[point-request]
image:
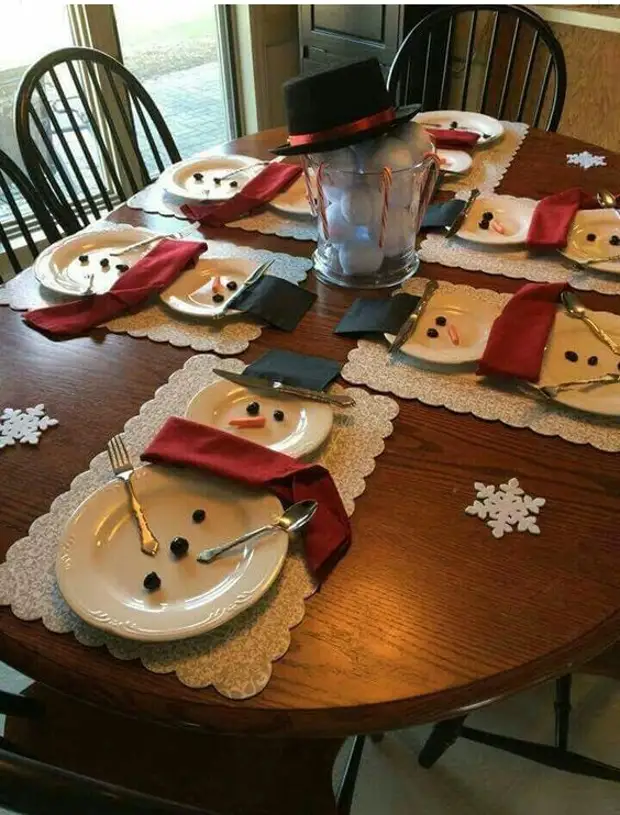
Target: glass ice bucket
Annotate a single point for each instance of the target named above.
(368, 221)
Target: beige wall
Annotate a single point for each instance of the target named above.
(590, 37)
(267, 54)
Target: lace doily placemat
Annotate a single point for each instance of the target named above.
(156, 201)
(160, 324)
(490, 163)
(237, 657)
(461, 391)
(514, 262)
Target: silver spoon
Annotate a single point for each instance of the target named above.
(295, 517)
(575, 309)
(606, 199)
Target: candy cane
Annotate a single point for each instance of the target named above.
(386, 178)
(321, 198)
(309, 195)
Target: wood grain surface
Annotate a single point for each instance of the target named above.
(427, 615)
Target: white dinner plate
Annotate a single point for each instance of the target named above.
(572, 335)
(293, 200)
(192, 293)
(471, 318)
(514, 215)
(454, 161)
(306, 424)
(59, 269)
(489, 129)
(100, 567)
(179, 179)
(603, 223)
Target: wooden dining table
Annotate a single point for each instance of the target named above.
(425, 618)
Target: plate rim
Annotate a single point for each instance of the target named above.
(166, 178)
(602, 266)
(318, 405)
(486, 117)
(446, 363)
(176, 634)
(39, 263)
(231, 313)
(500, 240)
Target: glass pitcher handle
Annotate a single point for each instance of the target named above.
(432, 175)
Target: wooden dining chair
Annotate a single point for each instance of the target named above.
(89, 133)
(504, 61)
(25, 222)
(558, 756)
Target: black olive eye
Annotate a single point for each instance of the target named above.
(571, 356)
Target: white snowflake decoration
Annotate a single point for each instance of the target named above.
(24, 426)
(506, 507)
(586, 160)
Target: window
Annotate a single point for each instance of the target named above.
(23, 44)
(174, 52)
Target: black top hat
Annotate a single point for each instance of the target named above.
(335, 108)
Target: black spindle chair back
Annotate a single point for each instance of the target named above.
(504, 61)
(89, 132)
(23, 216)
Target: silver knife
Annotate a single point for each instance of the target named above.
(256, 275)
(410, 323)
(260, 383)
(458, 221)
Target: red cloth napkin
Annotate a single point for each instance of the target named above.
(186, 443)
(453, 139)
(519, 335)
(152, 273)
(553, 217)
(261, 189)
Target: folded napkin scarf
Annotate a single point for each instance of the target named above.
(553, 216)
(519, 335)
(273, 179)
(453, 139)
(181, 442)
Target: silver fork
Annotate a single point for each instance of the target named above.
(181, 234)
(123, 469)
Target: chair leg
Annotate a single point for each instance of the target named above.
(13, 704)
(562, 707)
(344, 797)
(443, 736)
(545, 754)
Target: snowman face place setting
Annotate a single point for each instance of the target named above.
(451, 330)
(497, 220)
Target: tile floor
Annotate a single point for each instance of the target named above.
(475, 780)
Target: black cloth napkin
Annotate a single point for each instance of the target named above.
(278, 302)
(440, 215)
(377, 316)
(300, 370)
